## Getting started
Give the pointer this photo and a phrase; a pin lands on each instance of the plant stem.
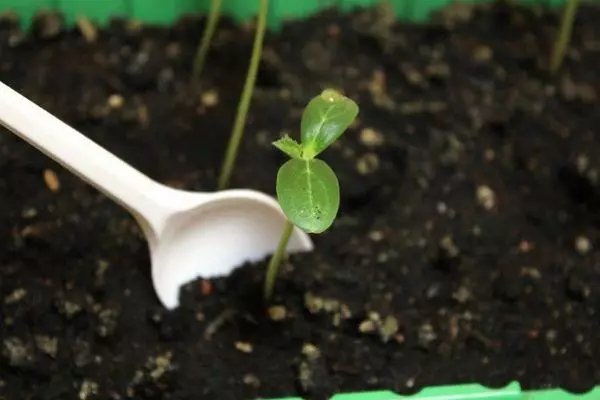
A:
(564, 35)
(275, 262)
(207, 35)
(242, 112)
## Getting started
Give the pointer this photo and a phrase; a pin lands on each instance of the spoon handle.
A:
(102, 169)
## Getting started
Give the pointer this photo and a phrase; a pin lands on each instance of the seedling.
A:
(244, 105)
(564, 35)
(209, 31)
(307, 189)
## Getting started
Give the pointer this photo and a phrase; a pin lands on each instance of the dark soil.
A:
(466, 248)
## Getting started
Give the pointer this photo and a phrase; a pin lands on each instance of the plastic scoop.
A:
(190, 234)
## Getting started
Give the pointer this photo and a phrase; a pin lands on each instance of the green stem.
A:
(242, 112)
(207, 35)
(564, 35)
(275, 262)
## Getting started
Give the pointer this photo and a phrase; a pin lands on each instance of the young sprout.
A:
(242, 111)
(307, 189)
(564, 35)
(207, 35)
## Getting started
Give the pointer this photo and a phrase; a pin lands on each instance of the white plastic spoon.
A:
(190, 234)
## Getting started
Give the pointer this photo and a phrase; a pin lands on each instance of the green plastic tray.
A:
(165, 12)
(471, 392)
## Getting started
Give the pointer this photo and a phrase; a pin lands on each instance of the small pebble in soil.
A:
(263, 139)
(486, 197)
(438, 70)
(47, 25)
(251, 380)
(310, 351)
(426, 335)
(69, 306)
(367, 326)
(462, 294)
(100, 272)
(582, 245)
(29, 212)
(450, 249)
(16, 296)
(87, 29)
(388, 328)
(244, 347)
(413, 76)
(277, 313)
(551, 335)
(316, 304)
(582, 163)
(210, 98)
(17, 352)
(531, 272)
(165, 79)
(108, 319)
(160, 365)
(88, 389)
(82, 353)
(51, 180)
(376, 236)
(367, 164)
(453, 150)
(47, 344)
(525, 246)
(173, 50)
(482, 53)
(115, 101)
(141, 73)
(432, 291)
(371, 138)
(441, 207)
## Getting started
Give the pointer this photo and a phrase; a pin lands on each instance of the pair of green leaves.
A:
(307, 188)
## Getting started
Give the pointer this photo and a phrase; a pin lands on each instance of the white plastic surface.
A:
(189, 234)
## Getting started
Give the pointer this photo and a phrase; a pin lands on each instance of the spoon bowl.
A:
(220, 232)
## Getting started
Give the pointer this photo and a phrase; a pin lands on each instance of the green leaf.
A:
(289, 146)
(309, 194)
(324, 120)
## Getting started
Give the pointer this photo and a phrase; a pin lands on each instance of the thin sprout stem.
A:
(564, 35)
(244, 105)
(275, 262)
(207, 35)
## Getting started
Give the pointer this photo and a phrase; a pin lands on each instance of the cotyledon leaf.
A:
(324, 120)
(309, 194)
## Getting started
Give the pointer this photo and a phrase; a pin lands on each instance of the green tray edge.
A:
(469, 392)
(166, 12)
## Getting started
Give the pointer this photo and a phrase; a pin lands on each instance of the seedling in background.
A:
(308, 190)
(209, 31)
(244, 105)
(564, 35)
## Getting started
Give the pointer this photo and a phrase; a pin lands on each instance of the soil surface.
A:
(466, 248)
